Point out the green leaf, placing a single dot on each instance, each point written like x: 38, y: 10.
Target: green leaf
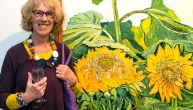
x: 139, y: 38
x: 122, y: 93
x: 188, y: 45
x: 96, y: 107
x: 84, y: 105
x: 134, y: 93
x: 82, y: 27
x: 166, y: 21
x: 85, y: 97
x: 96, y: 2
x: 79, y: 52
x: 163, y: 27
x: 159, y: 4
x: 103, y: 101
x: 98, y: 97
x: 147, y: 103
x: 187, y: 96
x: 151, y: 50
x: 119, y: 102
x: 112, y: 45
x: 127, y: 34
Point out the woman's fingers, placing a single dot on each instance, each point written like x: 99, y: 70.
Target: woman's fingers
x: 66, y: 74
x: 42, y: 82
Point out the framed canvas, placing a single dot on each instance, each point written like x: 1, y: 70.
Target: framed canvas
x: 122, y: 67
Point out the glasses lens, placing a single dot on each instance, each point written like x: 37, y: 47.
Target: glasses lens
x: 49, y: 14
x: 38, y: 13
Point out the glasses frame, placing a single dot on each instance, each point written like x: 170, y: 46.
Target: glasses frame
x: 46, y: 13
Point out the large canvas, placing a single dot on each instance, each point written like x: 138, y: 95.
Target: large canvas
x: 123, y: 67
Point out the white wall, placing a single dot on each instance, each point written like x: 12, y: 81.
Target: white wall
x: 10, y: 16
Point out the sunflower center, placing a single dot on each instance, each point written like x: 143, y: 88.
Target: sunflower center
x: 170, y: 70
x: 168, y: 74
x: 106, y: 63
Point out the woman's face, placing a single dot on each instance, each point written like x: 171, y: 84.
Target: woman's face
x: 42, y: 26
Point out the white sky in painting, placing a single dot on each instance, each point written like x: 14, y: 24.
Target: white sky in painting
x: 182, y: 8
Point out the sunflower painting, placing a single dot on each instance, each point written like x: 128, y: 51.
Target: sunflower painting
x: 168, y: 72
x: 104, y: 68
x: 124, y: 67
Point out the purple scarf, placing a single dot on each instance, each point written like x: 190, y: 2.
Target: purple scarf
x: 69, y: 96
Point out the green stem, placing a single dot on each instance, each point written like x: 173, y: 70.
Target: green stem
x: 116, y: 20
x: 108, y: 104
x: 174, y: 103
x: 120, y: 107
x: 131, y: 13
x: 103, y: 106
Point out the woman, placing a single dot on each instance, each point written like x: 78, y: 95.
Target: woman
x: 17, y: 90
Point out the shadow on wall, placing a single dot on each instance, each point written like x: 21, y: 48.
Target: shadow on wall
x: 9, y: 42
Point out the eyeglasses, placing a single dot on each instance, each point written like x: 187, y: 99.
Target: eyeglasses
x: 39, y: 13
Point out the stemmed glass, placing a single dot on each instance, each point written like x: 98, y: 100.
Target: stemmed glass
x: 38, y: 74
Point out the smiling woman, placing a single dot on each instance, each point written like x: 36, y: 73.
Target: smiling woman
x: 17, y: 89
x: 11, y: 31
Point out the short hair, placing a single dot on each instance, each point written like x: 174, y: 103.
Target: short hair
x: 30, y: 5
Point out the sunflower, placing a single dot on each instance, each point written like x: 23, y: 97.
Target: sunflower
x: 168, y: 72
x: 103, y: 68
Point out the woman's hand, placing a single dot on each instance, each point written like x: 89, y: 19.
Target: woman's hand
x: 34, y: 90
x: 66, y: 74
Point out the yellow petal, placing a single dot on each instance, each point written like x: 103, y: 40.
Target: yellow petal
x: 168, y: 53
x: 188, y: 56
x: 162, y: 96
x: 189, y: 84
x: 169, y: 91
x: 93, y: 88
x: 139, y: 73
x: 179, y: 84
x: 151, y: 69
x: 152, y: 59
x: 139, y: 78
x: 166, y: 94
x: 155, y: 87
x: 154, y: 90
x: 177, y: 91
x: 187, y: 62
x: 160, y: 53
x: 150, y: 75
x: 176, y: 53
x: 151, y: 82
x: 161, y: 90
x: 102, y: 87
x: 187, y: 71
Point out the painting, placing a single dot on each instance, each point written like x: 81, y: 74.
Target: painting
x: 124, y: 67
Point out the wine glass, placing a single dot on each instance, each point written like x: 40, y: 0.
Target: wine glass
x: 38, y: 74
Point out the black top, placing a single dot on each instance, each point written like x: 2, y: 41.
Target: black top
x: 14, y: 75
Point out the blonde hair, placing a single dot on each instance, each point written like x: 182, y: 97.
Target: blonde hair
x: 30, y: 5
